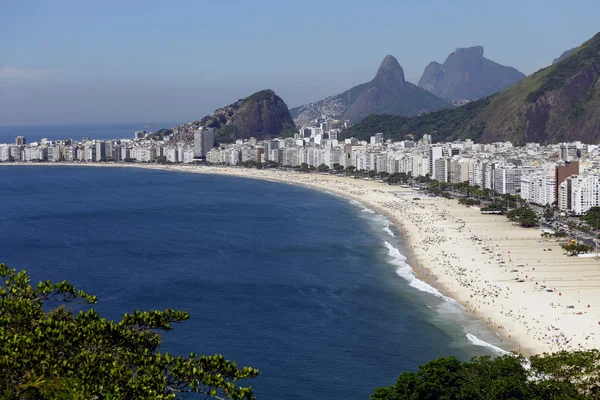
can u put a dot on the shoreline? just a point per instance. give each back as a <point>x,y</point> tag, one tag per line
<point>455,250</point>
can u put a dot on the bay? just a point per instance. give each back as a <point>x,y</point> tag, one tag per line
<point>295,282</point>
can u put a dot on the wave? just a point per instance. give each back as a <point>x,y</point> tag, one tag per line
<point>389,231</point>
<point>406,272</point>
<point>368,210</point>
<point>478,342</point>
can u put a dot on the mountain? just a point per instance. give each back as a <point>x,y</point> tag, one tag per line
<point>261,115</point>
<point>555,104</point>
<point>388,93</point>
<point>467,74</point>
<point>563,56</point>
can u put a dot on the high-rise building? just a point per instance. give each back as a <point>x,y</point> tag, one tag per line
<point>442,169</point>
<point>435,152</point>
<point>507,179</point>
<point>204,140</point>
<point>20,141</point>
<point>579,193</point>
<point>562,172</point>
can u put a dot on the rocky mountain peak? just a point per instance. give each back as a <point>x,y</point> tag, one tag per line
<point>467,74</point>
<point>473,51</point>
<point>390,66</point>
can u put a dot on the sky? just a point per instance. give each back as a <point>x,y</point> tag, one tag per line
<point>73,61</point>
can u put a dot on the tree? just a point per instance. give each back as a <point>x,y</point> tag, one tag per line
<point>323,168</point>
<point>563,375</point>
<point>338,168</point>
<point>592,217</point>
<point>548,212</point>
<point>576,248</point>
<point>524,216</point>
<point>52,353</point>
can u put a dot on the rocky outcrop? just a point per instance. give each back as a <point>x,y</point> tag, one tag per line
<point>467,74</point>
<point>261,115</point>
<point>387,93</point>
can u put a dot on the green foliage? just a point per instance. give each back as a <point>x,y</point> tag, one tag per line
<point>558,74</point>
<point>469,201</point>
<point>560,376</point>
<point>442,124</point>
<point>263,95</point>
<point>289,130</point>
<point>52,353</point>
<point>592,217</point>
<point>226,134</point>
<point>524,216</point>
<point>323,168</point>
<point>494,207</point>
<point>576,111</point>
<point>576,248</point>
<point>398,178</point>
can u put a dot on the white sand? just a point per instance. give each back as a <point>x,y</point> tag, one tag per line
<point>442,237</point>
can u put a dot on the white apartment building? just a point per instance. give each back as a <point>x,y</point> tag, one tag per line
<point>507,179</point>
<point>442,168</point>
<point>459,170</point>
<point>171,154</point>
<point>579,193</point>
<point>187,155</point>
<point>4,152</point>
<point>538,188</point>
<point>435,152</point>
<point>70,153</point>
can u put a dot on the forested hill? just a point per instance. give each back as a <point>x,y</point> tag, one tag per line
<point>555,104</point>
<point>446,124</point>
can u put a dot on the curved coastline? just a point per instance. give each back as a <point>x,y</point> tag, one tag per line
<point>455,249</point>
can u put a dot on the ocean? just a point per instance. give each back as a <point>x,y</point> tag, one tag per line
<point>35,133</point>
<point>310,288</point>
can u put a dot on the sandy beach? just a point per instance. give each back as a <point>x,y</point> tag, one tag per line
<point>525,288</point>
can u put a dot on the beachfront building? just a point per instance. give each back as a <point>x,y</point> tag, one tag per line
<point>579,193</point>
<point>442,168</point>
<point>507,179</point>
<point>459,170</point>
<point>204,140</point>
<point>563,171</point>
<point>538,188</point>
<point>171,154</point>
<point>4,152</point>
<point>435,151</point>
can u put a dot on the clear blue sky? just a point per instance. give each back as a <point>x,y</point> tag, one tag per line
<point>66,61</point>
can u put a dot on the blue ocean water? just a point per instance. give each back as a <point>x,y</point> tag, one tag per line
<point>300,284</point>
<point>35,133</point>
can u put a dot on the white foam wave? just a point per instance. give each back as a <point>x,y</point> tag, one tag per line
<point>405,271</point>
<point>388,230</point>
<point>478,342</point>
<point>368,210</point>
